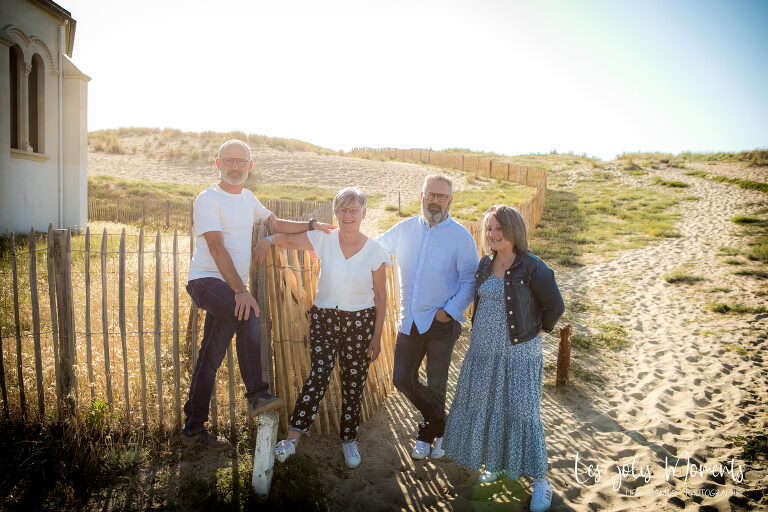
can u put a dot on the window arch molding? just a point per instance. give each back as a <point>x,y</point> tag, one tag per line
<point>30,45</point>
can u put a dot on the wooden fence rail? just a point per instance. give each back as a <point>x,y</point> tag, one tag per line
<point>178,214</point>
<point>530,176</point>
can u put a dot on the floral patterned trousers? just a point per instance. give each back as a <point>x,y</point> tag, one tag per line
<point>332,332</point>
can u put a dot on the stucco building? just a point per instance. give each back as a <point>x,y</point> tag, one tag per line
<point>43,119</point>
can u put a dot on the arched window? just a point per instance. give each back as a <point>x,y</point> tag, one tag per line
<point>37,104</point>
<point>15,61</point>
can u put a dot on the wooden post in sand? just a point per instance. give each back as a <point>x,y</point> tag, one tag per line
<point>564,356</point>
<point>264,454</point>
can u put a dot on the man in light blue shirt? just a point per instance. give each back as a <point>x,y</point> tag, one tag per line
<point>437,260</point>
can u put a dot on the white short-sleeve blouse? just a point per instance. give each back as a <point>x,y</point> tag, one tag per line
<point>343,283</point>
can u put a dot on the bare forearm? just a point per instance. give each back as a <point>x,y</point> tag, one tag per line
<point>381,312</point>
<point>227,268</point>
<point>289,226</point>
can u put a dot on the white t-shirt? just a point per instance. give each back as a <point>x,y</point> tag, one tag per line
<point>344,283</point>
<point>233,215</point>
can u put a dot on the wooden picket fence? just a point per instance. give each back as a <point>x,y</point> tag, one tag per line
<point>77,370</point>
<point>178,214</point>
<point>531,210</point>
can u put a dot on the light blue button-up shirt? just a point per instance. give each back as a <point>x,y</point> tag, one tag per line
<point>437,268</point>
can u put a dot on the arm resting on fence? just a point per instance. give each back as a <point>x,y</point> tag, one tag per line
<point>298,241</point>
<point>295,226</point>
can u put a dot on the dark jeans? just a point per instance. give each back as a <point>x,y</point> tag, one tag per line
<point>437,345</point>
<point>218,300</point>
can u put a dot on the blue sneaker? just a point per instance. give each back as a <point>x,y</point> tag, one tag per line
<point>542,495</point>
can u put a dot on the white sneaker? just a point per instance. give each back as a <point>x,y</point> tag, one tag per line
<point>542,495</point>
<point>489,476</point>
<point>420,450</point>
<point>437,449</point>
<point>351,455</point>
<point>284,449</point>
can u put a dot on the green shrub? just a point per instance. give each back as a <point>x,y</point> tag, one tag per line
<point>759,253</point>
<point>681,277</point>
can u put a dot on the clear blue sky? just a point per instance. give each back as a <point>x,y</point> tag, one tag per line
<point>512,77</point>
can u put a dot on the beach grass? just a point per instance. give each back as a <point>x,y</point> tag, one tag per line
<point>112,188</point>
<point>173,144</point>
<point>469,205</point>
<point>729,251</point>
<point>681,277</point>
<point>722,307</point>
<point>745,184</point>
<point>760,274</point>
<point>669,183</point>
<point>597,214</point>
<point>758,252</point>
<point>754,447</point>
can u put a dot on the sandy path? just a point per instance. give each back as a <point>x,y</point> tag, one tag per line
<point>682,391</point>
<point>678,391</point>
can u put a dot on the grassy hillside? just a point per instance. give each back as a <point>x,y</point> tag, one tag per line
<point>172,144</point>
<point>110,187</point>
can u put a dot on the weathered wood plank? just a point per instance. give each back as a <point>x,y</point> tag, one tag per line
<point>231,379</point>
<point>121,319</point>
<point>65,306</point>
<point>3,387</point>
<point>158,329</point>
<point>264,453</point>
<point>193,307</point>
<point>140,322</point>
<point>54,316</point>
<point>105,320</point>
<point>35,303</point>
<point>17,328</point>
<point>176,361</point>
<point>88,333</point>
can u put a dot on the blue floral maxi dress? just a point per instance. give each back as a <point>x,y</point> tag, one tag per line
<point>495,416</point>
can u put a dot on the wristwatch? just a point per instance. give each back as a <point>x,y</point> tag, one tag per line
<point>311,226</point>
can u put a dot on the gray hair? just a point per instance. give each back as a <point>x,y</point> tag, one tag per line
<point>437,177</point>
<point>512,225</point>
<point>234,142</point>
<point>347,195</point>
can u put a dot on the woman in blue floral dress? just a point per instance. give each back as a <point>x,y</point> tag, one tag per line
<point>495,418</point>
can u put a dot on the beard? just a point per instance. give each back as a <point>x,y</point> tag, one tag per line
<point>435,216</point>
<point>233,181</point>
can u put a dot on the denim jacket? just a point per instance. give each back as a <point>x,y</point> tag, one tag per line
<point>533,299</point>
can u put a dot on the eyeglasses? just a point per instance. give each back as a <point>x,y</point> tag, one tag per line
<point>348,212</point>
<point>431,196</point>
<point>236,163</point>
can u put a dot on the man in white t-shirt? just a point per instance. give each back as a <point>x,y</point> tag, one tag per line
<point>223,216</point>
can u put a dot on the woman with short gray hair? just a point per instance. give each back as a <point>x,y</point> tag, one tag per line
<point>347,318</point>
